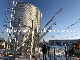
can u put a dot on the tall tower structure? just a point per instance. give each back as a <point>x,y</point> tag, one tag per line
<point>27,12</point>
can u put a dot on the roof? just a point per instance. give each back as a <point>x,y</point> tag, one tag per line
<point>2,38</point>
<point>64,39</point>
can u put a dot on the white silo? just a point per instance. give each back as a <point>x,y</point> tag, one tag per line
<point>27,12</point>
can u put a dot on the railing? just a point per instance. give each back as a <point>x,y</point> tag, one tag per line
<point>56,54</point>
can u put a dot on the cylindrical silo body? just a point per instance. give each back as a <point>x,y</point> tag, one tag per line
<point>27,12</point>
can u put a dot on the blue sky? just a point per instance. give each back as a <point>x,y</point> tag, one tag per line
<point>69,15</point>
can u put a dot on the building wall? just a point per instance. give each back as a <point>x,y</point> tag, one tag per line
<point>62,42</point>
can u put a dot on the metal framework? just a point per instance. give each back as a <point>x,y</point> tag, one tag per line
<point>31,38</point>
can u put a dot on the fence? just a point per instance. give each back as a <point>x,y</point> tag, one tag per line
<point>59,54</point>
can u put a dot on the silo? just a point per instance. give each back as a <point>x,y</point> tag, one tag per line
<point>27,12</point>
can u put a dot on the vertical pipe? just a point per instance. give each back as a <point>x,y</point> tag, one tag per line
<point>65,52</point>
<point>32,24</point>
<point>48,52</point>
<point>16,37</point>
<point>20,34</point>
<point>25,48</point>
<point>38,42</point>
<point>54,53</point>
<point>32,40</point>
<point>14,48</point>
<point>8,45</point>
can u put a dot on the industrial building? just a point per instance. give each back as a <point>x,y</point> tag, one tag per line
<point>62,41</point>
